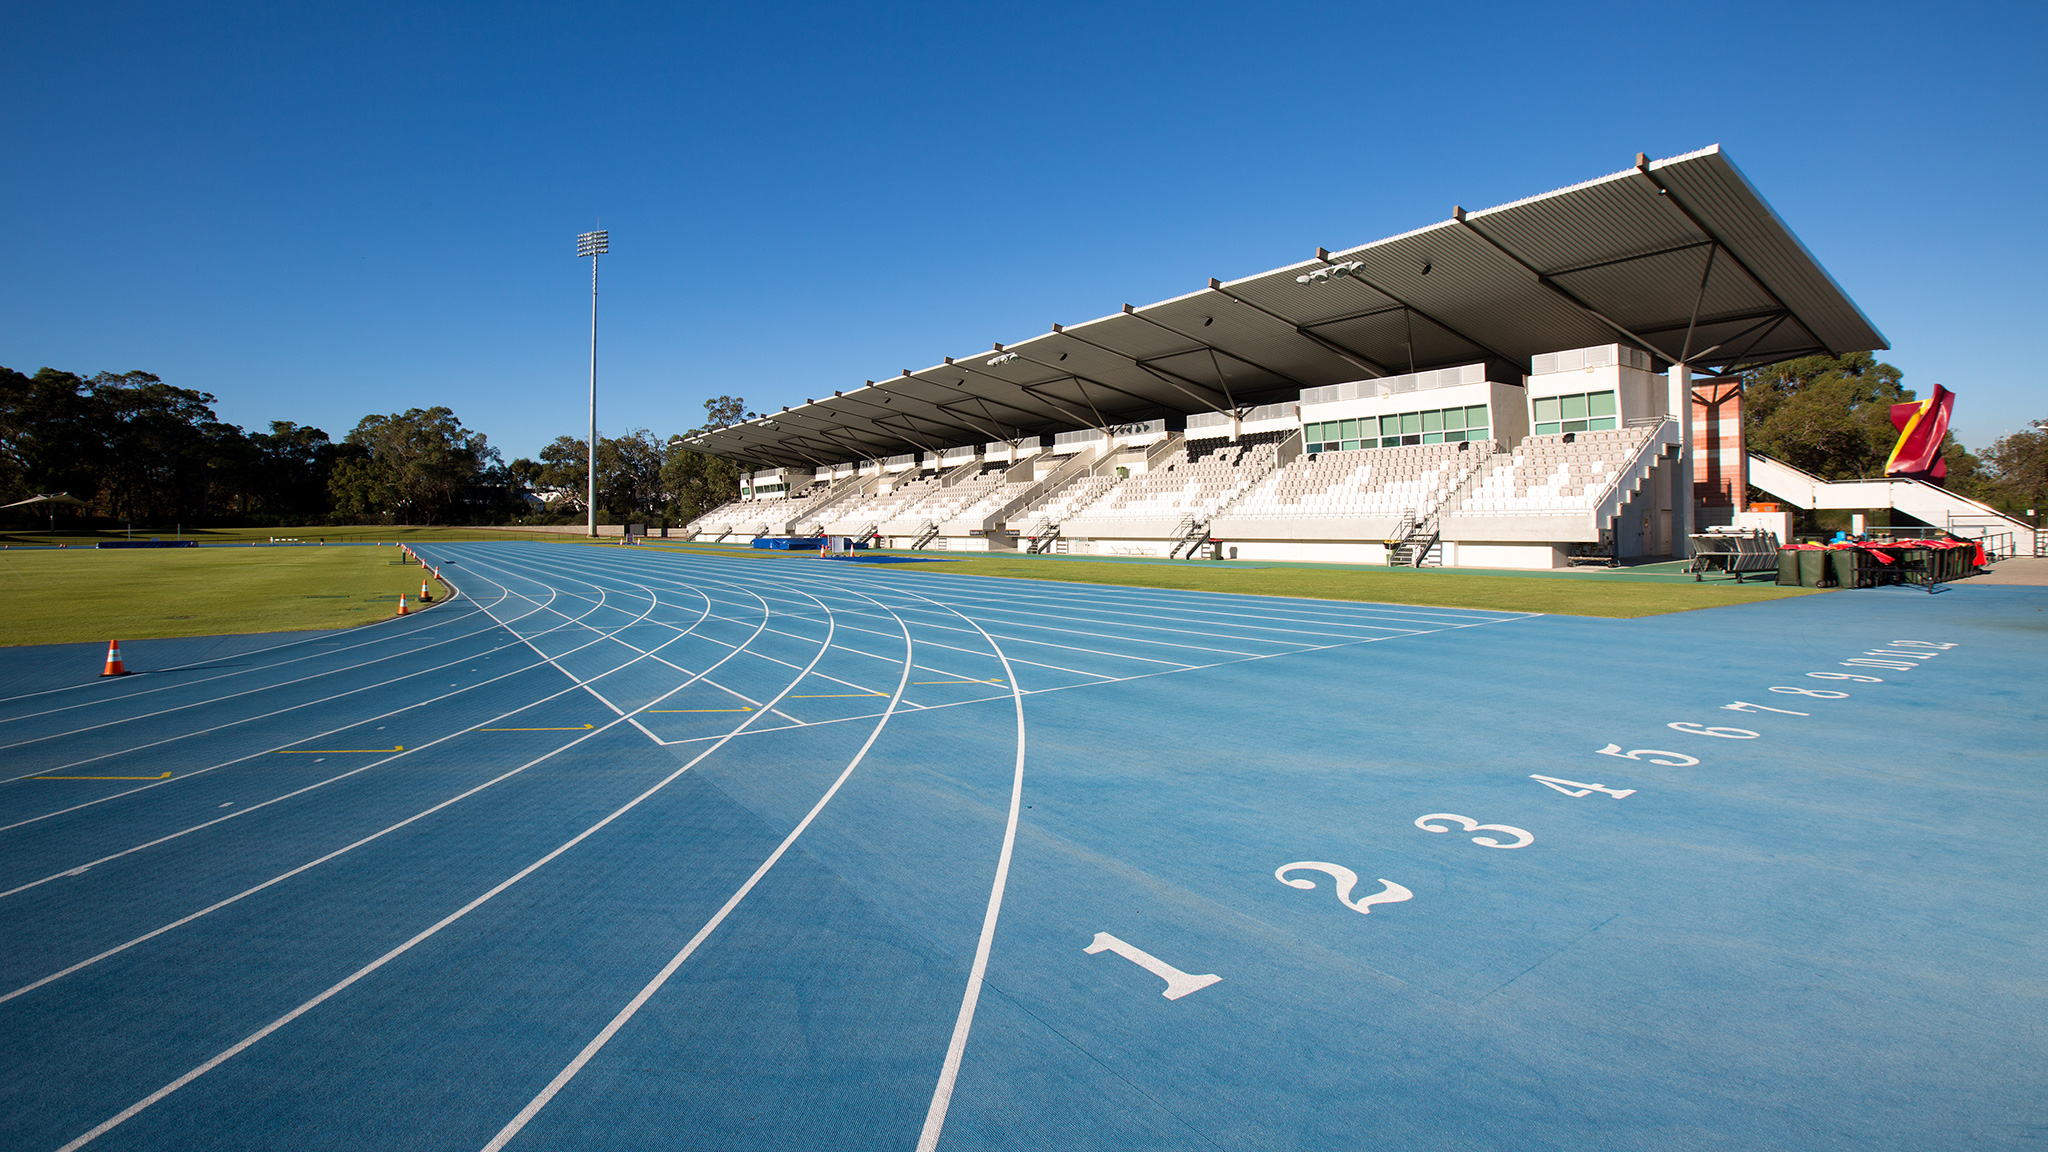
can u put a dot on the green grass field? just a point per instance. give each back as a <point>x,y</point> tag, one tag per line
<point>1585,592</point>
<point>345,534</point>
<point>57,597</point>
<point>1592,595</point>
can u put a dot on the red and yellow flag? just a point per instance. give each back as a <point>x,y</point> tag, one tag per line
<point>1922,425</point>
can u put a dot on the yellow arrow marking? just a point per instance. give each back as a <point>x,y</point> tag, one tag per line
<point>700,710</point>
<point>572,728</point>
<point>332,751</point>
<point>165,776</point>
<point>957,681</point>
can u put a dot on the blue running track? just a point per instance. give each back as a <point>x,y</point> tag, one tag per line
<point>629,849</point>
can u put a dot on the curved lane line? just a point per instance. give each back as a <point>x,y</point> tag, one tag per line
<point>239,812</point>
<point>422,936</point>
<point>647,992</point>
<point>311,864</point>
<point>259,689</point>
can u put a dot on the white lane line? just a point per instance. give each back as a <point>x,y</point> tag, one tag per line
<point>711,639</point>
<point>176,685</point>
<point>311,864</point>
<point>383,635</point>
<point>276,712</point>
<point>956,1047</point>
<point>240,812</point>
<point>334,990</point>
<point>1146,675</point>
<point>184,776</point>
<point>646,993</point>
<point>773,631</point>
<point>247,692</point>
<point>767,613</point>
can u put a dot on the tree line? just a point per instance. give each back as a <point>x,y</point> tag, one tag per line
<point>1831,416</point>
<point>136,450</point>
<point>141,451</point>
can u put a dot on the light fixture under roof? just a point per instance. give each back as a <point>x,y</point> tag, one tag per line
<point>999,361</point>
<point>1333,272</point>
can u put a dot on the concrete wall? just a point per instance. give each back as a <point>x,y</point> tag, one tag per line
<point>1310,551</point>
<point>1510,554</point>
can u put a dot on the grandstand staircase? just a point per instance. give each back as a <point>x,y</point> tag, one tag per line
<point>1043,538</point>
<point>925,536</point>
<point>1192,534</point>
<point>1417,543</point>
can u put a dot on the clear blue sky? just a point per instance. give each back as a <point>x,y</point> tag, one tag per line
<point>317,212</point>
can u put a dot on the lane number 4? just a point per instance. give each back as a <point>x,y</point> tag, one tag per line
<point>1574,788</point>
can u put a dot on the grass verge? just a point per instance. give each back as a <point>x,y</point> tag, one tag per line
<point>69,596</point>
<point>330,533</point>
<point>1432,587</point>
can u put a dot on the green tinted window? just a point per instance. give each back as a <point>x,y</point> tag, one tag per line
<point>1432,437</point>
<point>1600,423</point>
<point>1390,426</point>
<point>1546,408</point>
<point>1454,419</point>
<point>1411,423</point>
<point>1600,404</point>
<point>1475,416</point>
<point>1574,407</point>
<point>1432,422</point>
<point>1546,429</point>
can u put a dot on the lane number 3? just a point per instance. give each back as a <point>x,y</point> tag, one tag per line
<point>1522,838</point>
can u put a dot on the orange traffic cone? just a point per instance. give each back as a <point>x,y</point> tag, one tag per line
<point>114,667</point>
<point>402,609</point>
<point>426,597</point>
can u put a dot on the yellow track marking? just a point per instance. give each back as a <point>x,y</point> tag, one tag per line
<point>165,776</point>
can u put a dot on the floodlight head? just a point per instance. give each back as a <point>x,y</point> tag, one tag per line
<point>1333,272</point>
<point>593,243</point>
<point>1005,358</point>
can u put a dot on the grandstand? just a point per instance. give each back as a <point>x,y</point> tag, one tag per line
<point>1513,387</point>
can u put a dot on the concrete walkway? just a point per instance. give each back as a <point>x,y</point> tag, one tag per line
<point>2016,570</point>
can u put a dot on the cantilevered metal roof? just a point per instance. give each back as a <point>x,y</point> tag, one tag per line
<point>1680,257</point>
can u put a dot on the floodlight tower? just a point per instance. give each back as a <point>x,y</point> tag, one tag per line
<point>593,245</point>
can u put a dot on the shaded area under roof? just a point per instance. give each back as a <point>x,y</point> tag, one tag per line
<point>1680,257</point>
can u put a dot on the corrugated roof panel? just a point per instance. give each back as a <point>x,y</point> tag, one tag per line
<point>1442,294</point>
<point>1714,189</point>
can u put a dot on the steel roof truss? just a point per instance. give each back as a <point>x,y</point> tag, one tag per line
<point>1192,389</point>
<point>1358,360</point>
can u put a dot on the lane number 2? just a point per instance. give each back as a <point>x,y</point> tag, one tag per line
<point>1346,880</point>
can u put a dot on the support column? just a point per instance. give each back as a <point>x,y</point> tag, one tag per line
<point>1678,392</point>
